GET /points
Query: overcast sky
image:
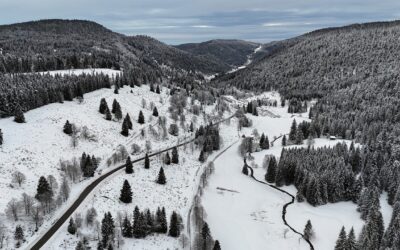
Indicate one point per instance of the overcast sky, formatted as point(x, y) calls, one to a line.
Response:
point(182, 21)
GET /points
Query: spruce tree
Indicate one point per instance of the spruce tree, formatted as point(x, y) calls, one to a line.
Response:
point(372, 232)
point(161, 177)
point(284, 140)
point(107, 229)
point(271, 171)
point(155, 112)
point(128, 121)
point(151, 88)
point(118, 113)
point(127, 228)
point(146, 162)
point(308, 231)
point(205, 234)
point(158, 89)
point(167, 159)
point(68, 128)
point(262, 139)
point(71, 226)
point(116, 88)
point(114, 106)
point(103, 106)
point(125, 128)
point(299, 137)
point(217, 245)
point(175, 156)
point(202, 156)
point(293, 131)
point(245, 169)
point(19, 235)
point(1, 137)
point(141, 118)
point(108, 114)
point(126, 193)
point(163, 221)
point(342, 240)
point(43, 191)
point(174, 227)
point(19, 115)
point(128, 166)
point(351, 243)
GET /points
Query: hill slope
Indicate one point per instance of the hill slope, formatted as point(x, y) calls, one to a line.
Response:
point(63, 44)
point(228, 52)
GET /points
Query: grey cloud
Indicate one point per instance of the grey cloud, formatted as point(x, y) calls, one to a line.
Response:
point(180, 21)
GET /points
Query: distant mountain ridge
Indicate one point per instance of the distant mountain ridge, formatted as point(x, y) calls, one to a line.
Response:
point(60, 44)
point(232, 53)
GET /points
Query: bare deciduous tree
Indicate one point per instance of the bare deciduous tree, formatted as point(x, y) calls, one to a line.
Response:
point(13, 208)
point(18, 177)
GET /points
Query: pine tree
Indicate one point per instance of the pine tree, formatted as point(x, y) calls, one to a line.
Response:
point(155, 112)
point(284, 140)
point(151, 88)
point(125, 128)
point(245, 169)
point(127, 228)
point(308, 231)
point(158, 89)
point(167, 159)
point(126, 193)
point(271, 171)
point(146, 162)
point(265, 144)
point(141, 118)
point(68, 128)
point(71, 226)
point(293, 131)
point(202, 157)
point(108, 114)
point(191, 127)
point(217, 245)
point(174, 226)
point(19, 115)
point(1, 137)
point(128, 166)
point(128, 121)
point(103, 106)
point(175, 156)
point(342, 240)
point(351, 243)
point(161, 177)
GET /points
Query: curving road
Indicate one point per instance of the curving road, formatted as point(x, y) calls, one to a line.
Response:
point(53, 229)
point(284, 207)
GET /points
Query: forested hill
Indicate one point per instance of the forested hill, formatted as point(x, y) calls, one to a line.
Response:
point(63, 44)
point(227, 52)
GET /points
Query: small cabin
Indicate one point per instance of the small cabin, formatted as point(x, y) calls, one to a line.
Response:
point(332, 138)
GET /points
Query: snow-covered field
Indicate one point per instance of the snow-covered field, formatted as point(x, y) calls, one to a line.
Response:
point(35, 148)
point(251, 217)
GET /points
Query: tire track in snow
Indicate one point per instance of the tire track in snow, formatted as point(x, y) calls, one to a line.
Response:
point(284, 209)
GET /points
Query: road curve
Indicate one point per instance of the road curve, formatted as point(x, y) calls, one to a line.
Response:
point(284, 207)
point(54, 228)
